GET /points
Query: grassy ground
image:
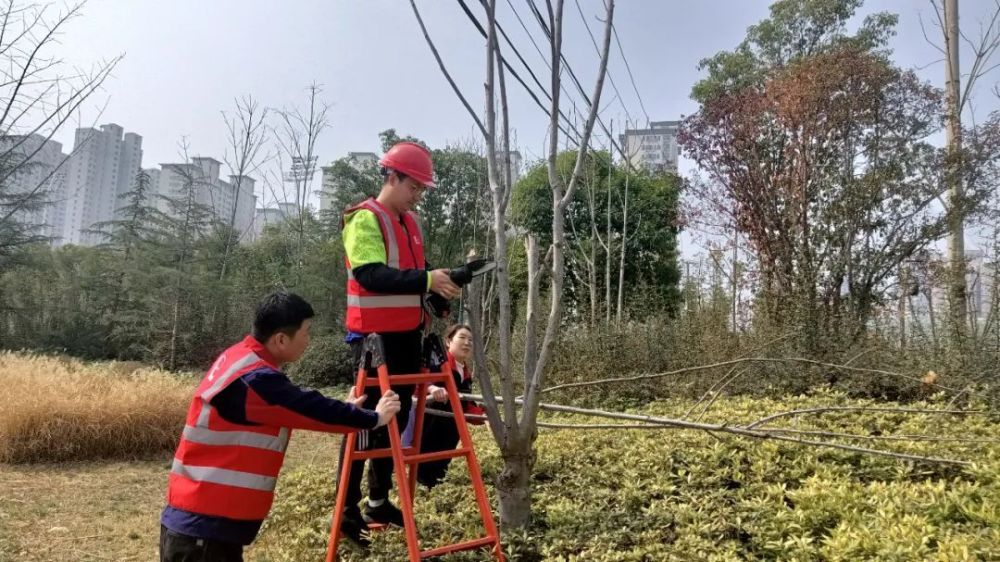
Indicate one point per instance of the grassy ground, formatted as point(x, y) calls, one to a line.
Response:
point(99, 511)
point(599, 495)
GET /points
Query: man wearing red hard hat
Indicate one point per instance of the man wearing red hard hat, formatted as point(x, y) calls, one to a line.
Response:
point(387, 279)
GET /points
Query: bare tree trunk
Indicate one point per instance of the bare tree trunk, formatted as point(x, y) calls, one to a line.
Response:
point(931, 314)
point(515, 435)
point(561, 198)
point(185, 233)
point(297, 139)
point(246, 139)
point(608, 251)
point(500, 195)
point(592, 271)
point(174, 327)
point(595, 239)
point(735, 276)
point(621, 262)
point(514, 484)
point(953, 138)
point(901, 313)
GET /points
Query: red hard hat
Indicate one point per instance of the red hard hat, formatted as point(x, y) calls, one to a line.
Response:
point(411, 159)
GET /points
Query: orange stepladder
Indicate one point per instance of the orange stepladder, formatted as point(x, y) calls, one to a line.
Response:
point(407, 459)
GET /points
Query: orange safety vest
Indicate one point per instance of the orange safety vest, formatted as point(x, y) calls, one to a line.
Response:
point(369, 312)
point(221, 468)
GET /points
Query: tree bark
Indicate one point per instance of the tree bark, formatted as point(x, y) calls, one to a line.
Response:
point(514, 486)
point(953, 138)
point(621, 263)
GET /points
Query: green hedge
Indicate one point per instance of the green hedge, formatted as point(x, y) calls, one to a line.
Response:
point(680, 495)
point(327, 362)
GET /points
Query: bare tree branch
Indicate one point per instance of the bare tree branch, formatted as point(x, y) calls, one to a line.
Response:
point(833, 434)
point(904, 438)
point(444, 70)
point(742, 431)
point(736, 362)
point(247, 133)
point(763, 421)
point(561, 199)
point(716, 389)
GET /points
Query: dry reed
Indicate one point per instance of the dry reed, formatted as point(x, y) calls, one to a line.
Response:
point(57, 409)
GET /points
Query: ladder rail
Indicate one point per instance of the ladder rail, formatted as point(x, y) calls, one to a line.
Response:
point(418, 433)
point(350, 444)
point(402, 482)
point(475, 474)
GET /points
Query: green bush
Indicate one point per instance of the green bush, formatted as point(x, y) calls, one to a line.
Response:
point(678, 495)
point(327, 362)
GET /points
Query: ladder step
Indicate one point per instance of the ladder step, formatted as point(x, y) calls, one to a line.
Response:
point(426, 457)
point(410, 454)
point(399, 380)
point(379, 453)
point(458, 547)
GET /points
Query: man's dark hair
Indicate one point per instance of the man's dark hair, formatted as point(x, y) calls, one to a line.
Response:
point(280, 312)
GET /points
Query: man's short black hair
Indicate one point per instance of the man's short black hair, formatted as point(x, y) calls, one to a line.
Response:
point(280, 312)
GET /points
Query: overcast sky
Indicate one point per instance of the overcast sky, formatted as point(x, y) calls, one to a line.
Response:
point(186, 60)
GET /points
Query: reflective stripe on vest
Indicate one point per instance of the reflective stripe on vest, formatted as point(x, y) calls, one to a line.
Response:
point(207, 436)
point(388, 234)
point(384, 301)
point(224, 476)
point(233, 369)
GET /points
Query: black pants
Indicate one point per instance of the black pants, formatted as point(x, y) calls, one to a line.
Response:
point(402, 357)
point(439, 434)
point(175, 547)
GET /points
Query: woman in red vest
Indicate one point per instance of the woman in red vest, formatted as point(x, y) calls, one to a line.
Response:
point(440, 433)
point(223, 475)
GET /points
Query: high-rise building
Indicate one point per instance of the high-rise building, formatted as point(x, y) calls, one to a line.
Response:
point(654, 149)
point(103, 166)
point(240, 197)
point(288, 210)
point(41, 175)
point(220, 196)
point(154, 184)
point(357, 160)
point(269, 216)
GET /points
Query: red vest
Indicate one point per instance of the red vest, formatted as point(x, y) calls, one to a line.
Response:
point(369, 312)
point(221, 468)
point(464, 384)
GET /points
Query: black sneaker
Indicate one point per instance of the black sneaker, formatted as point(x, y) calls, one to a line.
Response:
point(354, 528)
point(385, 513)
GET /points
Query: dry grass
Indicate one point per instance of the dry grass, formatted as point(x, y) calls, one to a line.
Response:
point(101, 511)
point(88, 511)
point(58, 409)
